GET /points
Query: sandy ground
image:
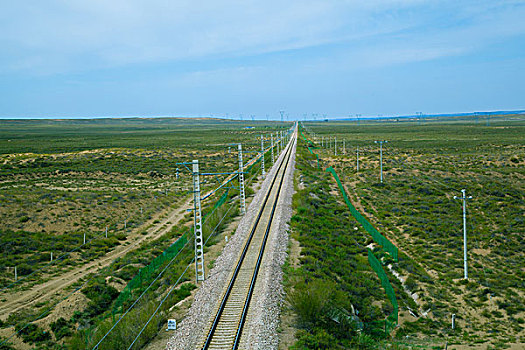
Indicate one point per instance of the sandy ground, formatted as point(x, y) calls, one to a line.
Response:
point(56, 287)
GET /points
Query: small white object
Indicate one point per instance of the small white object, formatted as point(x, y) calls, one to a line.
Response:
point(226, 239)
point(172, 325)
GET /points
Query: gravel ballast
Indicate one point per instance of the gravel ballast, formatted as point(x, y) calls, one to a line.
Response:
point(263, 317)
point(260, 329)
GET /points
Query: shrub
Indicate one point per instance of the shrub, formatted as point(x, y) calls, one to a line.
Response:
point(411, 283)
point(101, 296)
point(24, 269)
point(61, 328)
point(31, 333)
point(320, 339)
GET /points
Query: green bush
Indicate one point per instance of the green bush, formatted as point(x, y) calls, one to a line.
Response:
point(318, 339)
point(24, 269)
point(411, 283)
point(61, 328)
point(31, 333)
point(100, 294)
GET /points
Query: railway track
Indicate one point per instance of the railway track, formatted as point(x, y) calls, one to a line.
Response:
point(226, 326)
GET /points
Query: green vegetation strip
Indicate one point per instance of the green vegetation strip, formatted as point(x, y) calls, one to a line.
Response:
point(378, 238)
point(392, 319)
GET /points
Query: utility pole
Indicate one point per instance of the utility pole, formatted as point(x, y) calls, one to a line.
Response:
point(464, 198)
point(241, 182)
point(344, 147)
point(273, 157)
point(282, 116)
point(107, 227)
point(381, 156)
point(262, 157)
point(335, 145)
point(278, 145)
point(197, 223)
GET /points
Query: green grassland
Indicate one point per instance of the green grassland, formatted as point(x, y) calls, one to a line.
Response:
point(70, 177)
point(425, 165)
point(61, 179)
point(334, 280)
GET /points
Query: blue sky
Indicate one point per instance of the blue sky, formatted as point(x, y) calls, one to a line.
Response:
point(94, 58)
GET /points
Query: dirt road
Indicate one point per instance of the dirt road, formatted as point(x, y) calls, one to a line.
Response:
point(56, 286)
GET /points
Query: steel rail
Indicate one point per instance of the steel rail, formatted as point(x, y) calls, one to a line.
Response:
point(240, 262)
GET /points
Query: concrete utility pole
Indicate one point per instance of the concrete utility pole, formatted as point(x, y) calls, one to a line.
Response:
point(273, 157)
point(344, 147)
point(262, 156)
point(277, 143)
point(107, 227)
point(197, 223)
point(241, 182)
point(335, 145)
point(464, 198)
point(381, 156)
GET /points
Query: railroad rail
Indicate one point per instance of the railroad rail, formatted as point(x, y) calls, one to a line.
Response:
point(225, 329)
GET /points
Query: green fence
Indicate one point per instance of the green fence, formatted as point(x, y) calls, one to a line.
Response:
point(146, 272)
point(392, 319)
point(220, 202)
point(308, 143)
point(387, 325)
point(378, 238)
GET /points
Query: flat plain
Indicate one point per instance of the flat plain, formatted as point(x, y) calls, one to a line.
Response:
point(65, 182)
point(425, 164)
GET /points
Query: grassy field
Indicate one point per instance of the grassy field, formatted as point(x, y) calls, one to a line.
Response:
point(63, 180)
point(425, 165)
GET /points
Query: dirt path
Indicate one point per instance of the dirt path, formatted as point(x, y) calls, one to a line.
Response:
point(55, 287)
